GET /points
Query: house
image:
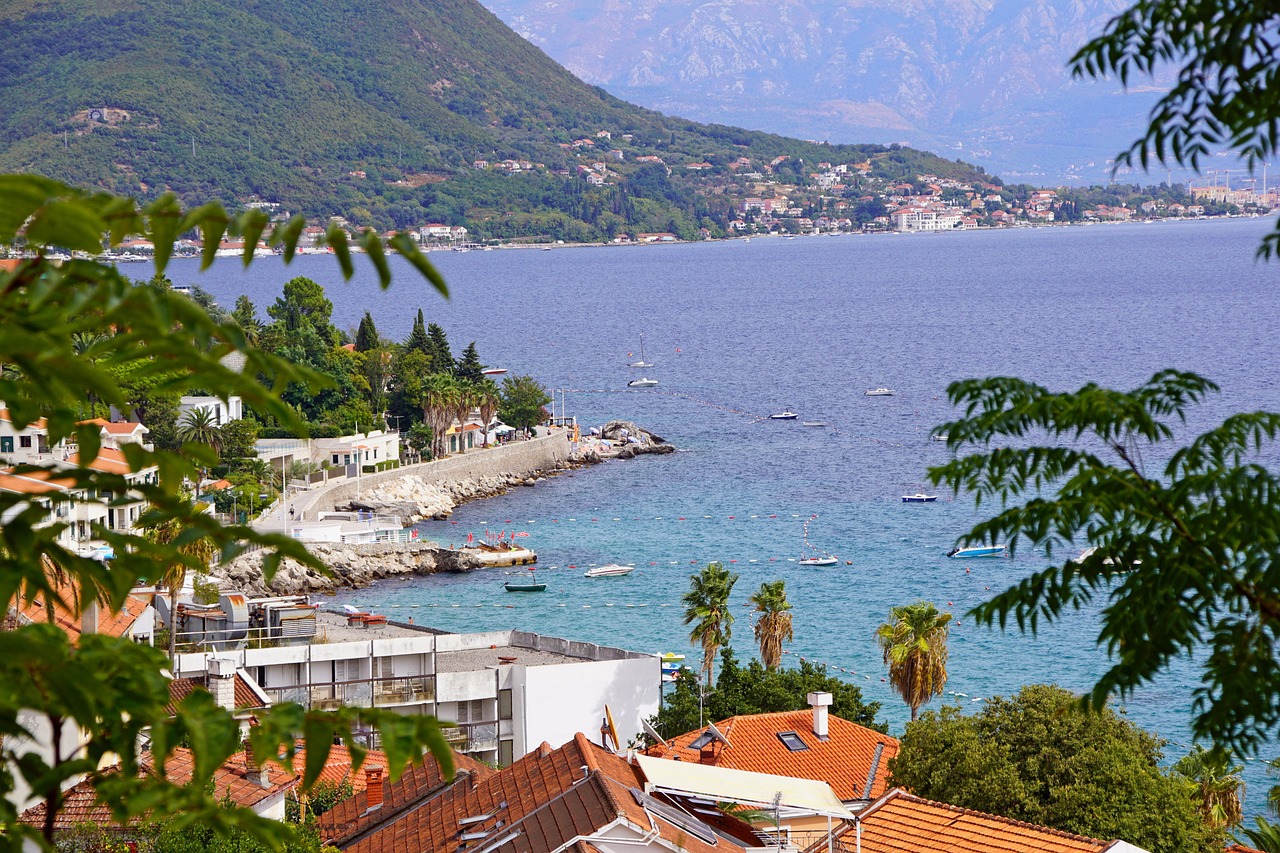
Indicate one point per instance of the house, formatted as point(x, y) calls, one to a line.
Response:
point(807, 744)
point(23, 446)
point(579, 797)
point(660, 237)
point(368, 450)
point(506, 691)
point(925, 219)
point(462, 437)
point(900, 821)
point(64, 503)
point(222, 411)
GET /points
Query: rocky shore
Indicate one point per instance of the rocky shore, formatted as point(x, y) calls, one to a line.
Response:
point(413, 498)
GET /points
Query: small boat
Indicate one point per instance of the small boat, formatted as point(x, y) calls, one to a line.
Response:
point(919, 498)
point(819, 562)
point(531, 585)
point(642, 382)
point(815, 423)
point(939, 436)
point(641, 362)
point(880, 392)
point(784, 416)
point(978, 551)
point(494, 371)
point(612, 570)
point(821, 559)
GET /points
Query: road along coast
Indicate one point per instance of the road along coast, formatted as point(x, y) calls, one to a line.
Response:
point(429, 490)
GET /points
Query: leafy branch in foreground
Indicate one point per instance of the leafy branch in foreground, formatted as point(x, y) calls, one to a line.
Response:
point(1185, 558)
point(104, 693)
point(1224, 95)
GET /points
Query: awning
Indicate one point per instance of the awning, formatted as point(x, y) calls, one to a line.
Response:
point(684, 778)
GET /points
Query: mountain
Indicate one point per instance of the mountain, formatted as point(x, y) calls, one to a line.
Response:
point(981, 79)
point(388, 112)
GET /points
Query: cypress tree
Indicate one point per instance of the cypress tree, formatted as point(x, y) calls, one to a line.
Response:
point(441, 355)
point(469, 367)
point(367, 334)
point(418, 339)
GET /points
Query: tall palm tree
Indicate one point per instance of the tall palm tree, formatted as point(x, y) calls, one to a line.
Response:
point(201, 550)
point(1218, 785)
point(914, 642)
point(437, 408)
point(488, 400)
point(707, 610)
point(465, 397)
point(201, 426)
point(773, 626)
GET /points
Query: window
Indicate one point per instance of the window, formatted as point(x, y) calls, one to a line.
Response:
point(24, 441)
point(335, 459)
point(504, 704)
point(506, 753)
point(792, 741)
point(6, 444)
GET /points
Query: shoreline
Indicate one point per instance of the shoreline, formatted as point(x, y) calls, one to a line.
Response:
point(432, 490)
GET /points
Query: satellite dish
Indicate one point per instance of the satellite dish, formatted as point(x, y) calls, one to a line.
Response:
point(613, 729)
point(717, 734)
point(653, 733)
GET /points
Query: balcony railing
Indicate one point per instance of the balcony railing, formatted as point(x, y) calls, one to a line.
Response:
point(473, 737)
point(361, 693)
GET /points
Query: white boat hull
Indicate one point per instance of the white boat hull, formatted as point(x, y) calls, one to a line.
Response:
point(819, 562)
point(611, 571)
point(978, 552)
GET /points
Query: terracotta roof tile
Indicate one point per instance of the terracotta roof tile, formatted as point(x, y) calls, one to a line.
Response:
point(842, 761)
point(108, 461)
point(543, 801)
point(112, 624)
point(900, 821)
point(244, 696)
point(233, 780)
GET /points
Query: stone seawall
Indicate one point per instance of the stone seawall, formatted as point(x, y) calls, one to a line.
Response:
point(351, 566)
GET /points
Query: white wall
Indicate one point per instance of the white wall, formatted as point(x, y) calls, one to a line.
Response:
point(563, 699)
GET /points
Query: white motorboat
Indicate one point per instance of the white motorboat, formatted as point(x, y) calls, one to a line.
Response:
point(642, 382)
point(939, 436)
point(612, 570)
point(815, 423)
point(919, 498)
point(978, 551)
point(880, 392)
point(493, 371)
point(819, 562)
point(641, 362)
point(784, 416)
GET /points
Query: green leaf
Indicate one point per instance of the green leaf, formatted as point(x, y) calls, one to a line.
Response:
point(67, 223)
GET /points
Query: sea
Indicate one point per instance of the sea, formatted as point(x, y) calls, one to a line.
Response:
point(738, 330)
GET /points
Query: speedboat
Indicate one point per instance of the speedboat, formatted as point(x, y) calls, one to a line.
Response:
point(978, 551)
point(612, 570)
point(919, 498)
point(642, 382)
point(939, 436)
point(531, 585)
point(815, 423)
point(784, 416)
point(494, 371)
point(819, 562)
point(880, 392)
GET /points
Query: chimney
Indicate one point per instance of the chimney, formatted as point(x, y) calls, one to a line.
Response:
point(373, 787)
point(89, 618)
point(222, 682)
point(253, 772)
point(819, 702)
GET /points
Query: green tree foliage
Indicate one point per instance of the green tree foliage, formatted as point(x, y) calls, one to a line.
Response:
point(706, 608)
point(773, 621)
point(469, 369)
point(914, 643)
point(1070, 469)
point(367, 335)
point(1041, 758)
point(109, 691)
point(441, 354)
point(246, 317)
point(418, 339)
point(236, 439)
point(303, 308)
point(1218, 785)
point(752, 689)
point(524, 402)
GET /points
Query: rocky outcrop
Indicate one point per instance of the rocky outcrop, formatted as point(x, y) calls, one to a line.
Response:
point(351, 566)
point(621, 440)
point(412, 498)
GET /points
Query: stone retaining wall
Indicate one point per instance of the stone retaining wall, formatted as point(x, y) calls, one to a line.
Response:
point(520, 458)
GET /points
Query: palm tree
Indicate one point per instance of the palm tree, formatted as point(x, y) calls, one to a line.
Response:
point(1266, 837)
point(914, 642)
point(773, 627)
point(707, 609)
point(465, 397)
point(201, 426)
point(1218, 785)
point(201, 550)
point(438, 391)
point(488, 400)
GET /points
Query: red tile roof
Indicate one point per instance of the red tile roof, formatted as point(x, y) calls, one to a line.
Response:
point(904, 822)
point(244, 696)
point(108, 461)
point(842, 761)
point(541, 802)
point(66, 610)
point(80, 802)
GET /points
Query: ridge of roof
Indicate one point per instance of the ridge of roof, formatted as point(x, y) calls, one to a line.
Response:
point(904, 794)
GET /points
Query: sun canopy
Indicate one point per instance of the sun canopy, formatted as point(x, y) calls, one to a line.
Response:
point(740, 786)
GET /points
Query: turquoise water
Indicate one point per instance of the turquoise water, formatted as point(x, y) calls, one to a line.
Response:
point(739, 330)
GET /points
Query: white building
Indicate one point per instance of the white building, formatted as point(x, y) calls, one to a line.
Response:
point(925, 219)
point(366, 449)
point(223, 411)
point(507, 691)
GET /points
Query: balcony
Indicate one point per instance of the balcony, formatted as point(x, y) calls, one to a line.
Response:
point(473, 737)
point(362, 693)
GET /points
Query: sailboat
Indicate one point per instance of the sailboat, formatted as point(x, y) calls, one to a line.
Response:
point(820, 559)
point(641, 362)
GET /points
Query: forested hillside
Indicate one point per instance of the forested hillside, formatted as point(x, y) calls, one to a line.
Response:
point(391, 113)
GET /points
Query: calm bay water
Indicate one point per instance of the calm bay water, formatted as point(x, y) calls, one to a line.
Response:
point(740, 330)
